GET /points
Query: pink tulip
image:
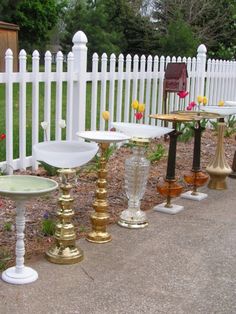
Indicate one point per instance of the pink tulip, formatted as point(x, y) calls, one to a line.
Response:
point(138, 115)
point(182, 94)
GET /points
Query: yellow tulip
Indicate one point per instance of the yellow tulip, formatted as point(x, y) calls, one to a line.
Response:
point(135, 104)
point(141, 108)
point(199, 99)
point(204, 100)
point(106, 115)
point(221, 103)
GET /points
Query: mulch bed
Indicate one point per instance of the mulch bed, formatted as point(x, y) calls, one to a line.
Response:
point(37, 243)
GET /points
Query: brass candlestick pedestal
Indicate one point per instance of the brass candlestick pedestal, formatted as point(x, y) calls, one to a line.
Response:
point(100, 218)
point(219, 169)
point(64, 251)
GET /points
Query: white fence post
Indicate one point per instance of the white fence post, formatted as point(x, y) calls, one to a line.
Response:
point(201, 69)
point(9, 111)
point(35, 103)
point(79, 50)
point(22, 105)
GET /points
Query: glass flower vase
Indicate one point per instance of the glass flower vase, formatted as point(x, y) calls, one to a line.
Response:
point(136, 175)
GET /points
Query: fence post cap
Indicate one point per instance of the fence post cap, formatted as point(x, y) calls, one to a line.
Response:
point(202, 49)
point(80, 37)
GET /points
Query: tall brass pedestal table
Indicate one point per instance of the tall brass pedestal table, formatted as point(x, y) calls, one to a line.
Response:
point(65, 155)
point(100, 217)
point(21, 188)
point(171, 188)
point(218, 168)
point(137, 171)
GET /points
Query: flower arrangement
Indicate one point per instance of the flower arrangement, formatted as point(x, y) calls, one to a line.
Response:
point(200, 100)
point(138, 110)
point(221, 103)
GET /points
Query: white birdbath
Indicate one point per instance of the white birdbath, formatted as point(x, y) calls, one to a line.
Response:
point(100, 217)
point(20, 188)
point(137, 170)
point(218, 168)
point(65, 155)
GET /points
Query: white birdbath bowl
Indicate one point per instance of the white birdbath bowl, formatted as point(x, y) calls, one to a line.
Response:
point(100, 217)
point(20, 188)
point(65, 154)
point(140, 130)
point(222, 110)
point(136, 171)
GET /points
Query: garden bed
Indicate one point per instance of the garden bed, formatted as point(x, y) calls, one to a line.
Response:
point(40, 209)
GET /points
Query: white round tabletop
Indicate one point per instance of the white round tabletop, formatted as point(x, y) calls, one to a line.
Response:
point(103, 136)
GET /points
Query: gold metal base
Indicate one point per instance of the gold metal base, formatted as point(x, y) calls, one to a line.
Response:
point(64, 255)
point(100, 218)
point(219, 169)
point(217, 183)
point(132, 225)
point(64, 250)
point(98, 237)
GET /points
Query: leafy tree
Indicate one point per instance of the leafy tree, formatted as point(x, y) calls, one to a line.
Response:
point(111, 26)
point(35, 19)
point(179, 39)
point(212, 22)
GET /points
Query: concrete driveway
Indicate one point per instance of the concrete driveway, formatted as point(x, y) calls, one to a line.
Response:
point(184, 263)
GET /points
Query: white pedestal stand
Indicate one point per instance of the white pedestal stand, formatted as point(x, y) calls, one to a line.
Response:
point(20, 188)
point(20, 274)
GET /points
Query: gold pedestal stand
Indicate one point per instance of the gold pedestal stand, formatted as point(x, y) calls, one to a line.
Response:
point(64, 251)
point(100, 218)
point(219, 169)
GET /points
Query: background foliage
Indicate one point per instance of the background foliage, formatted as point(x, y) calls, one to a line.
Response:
point(170, 27)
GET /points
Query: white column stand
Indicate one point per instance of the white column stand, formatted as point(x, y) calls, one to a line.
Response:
point(20, 274)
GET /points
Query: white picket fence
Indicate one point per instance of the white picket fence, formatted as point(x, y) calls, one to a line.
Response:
point(112, 84)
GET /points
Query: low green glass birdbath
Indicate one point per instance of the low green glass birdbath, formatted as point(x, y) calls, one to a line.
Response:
point(21, 188)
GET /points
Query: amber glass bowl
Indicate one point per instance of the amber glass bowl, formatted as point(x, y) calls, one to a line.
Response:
point(169, 188)
point(196, 178)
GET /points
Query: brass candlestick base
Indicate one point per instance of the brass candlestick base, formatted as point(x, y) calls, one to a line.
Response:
point(100, 218)
point(64, 251)
point(219, 169)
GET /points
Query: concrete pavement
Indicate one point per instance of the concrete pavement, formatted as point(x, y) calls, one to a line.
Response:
point(184, 263)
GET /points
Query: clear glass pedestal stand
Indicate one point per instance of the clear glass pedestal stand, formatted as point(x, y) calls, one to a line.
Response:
point(136, 175)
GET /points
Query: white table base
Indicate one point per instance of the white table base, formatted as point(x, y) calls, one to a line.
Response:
point(199, 197)
point(168, 210)
point(27, 275)
point(20, 274)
